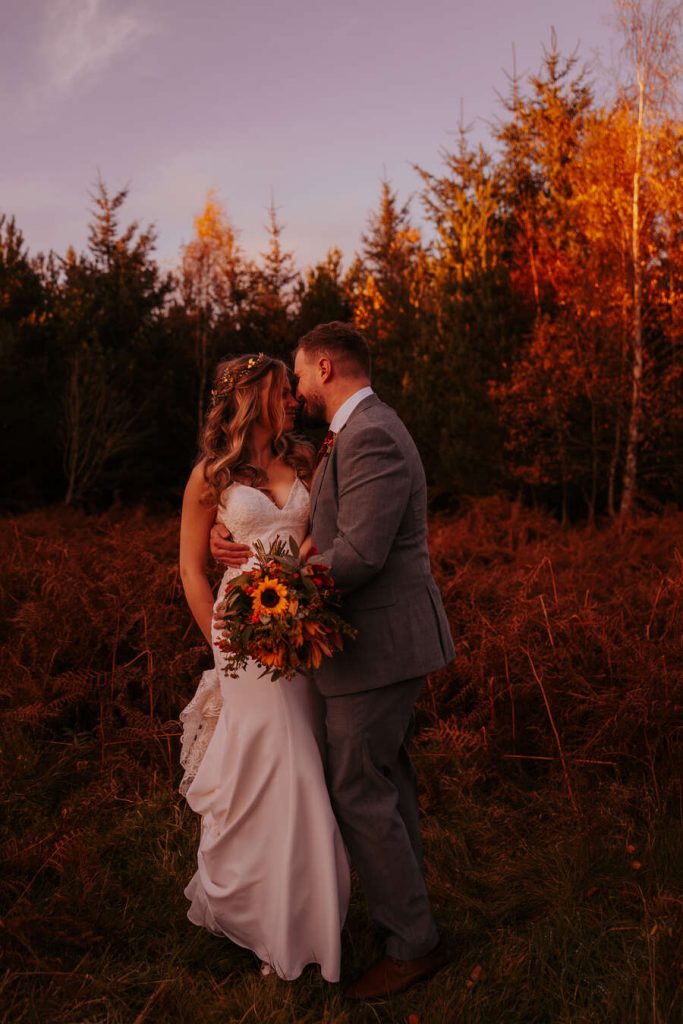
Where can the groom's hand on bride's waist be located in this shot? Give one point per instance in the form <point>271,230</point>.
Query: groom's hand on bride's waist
<point>308,550</point>
<point>224,550</point>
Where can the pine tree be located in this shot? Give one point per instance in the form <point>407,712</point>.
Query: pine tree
<point>539,141</point>
<point>108,308</point>
<point>467,323</point>
<point>124,280</point>
<point>543,403</point>
<point>27,373</point>
<point>322,295</point>
<point>389,293</point>
<point>270,317</point>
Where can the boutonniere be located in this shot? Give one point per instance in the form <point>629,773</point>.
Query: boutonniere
<point>327,446</point>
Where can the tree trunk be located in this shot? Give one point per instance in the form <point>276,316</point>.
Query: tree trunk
<point>72,420</point>
<point>565,490</point>
<point>594,463</point>
<point>202,369</point>
<point>98,423</point>
<point>612,478</point>
<point>633,431</point>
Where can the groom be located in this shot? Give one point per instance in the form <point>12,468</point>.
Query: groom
<point>369,524</point>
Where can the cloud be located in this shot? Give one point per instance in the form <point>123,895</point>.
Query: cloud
<point>81,37</point>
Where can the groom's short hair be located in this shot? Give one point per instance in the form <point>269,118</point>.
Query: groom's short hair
<point>343,343</point>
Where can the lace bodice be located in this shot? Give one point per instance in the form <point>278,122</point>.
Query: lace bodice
<point>250,514</point>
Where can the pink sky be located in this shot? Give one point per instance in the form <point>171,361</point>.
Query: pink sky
<point>309,99</point>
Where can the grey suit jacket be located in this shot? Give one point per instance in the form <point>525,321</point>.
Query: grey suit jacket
<point>369,523</point>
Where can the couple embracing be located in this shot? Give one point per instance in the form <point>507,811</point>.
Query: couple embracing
<point>292,778</point>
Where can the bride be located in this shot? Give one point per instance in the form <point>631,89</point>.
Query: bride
<point>272,873</point>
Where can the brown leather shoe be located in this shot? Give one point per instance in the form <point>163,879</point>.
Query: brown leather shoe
<point>389,976</point>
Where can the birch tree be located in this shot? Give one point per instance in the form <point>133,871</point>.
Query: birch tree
<point>212,285</point>
<point>651,32</point>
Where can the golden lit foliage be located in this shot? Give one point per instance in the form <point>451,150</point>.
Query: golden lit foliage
<point>211,262</point>
<point>212,285</point>
<point>388,290</point>
<point>597,383</point>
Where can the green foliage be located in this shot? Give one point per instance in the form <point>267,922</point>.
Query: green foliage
<point>270,313</point>
<point>213,288</point>
<point>466,338</point>
<point>390,284</point>
<point>322,295</point>
<point>31,372</point>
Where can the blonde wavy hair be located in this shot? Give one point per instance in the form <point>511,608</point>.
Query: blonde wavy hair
<point>223,445</point>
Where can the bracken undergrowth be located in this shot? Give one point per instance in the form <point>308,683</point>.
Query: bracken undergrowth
<point>548,755</point>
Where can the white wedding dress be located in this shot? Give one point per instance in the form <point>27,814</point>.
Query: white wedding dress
<point>272,871</point>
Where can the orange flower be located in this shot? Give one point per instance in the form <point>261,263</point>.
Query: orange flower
<point>316,654</point>
<point>271,659</point>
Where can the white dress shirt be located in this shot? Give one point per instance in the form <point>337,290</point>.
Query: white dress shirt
<point>346,408</point>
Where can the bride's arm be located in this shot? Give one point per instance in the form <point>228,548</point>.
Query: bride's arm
<point>195,525</point>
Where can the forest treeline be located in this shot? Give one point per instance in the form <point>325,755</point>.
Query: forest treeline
<point>531,336</point>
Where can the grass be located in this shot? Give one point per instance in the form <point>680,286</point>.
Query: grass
<point>548,755</point>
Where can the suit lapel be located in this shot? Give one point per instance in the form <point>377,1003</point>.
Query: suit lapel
<point>317,482</point>
<point>319,474</point>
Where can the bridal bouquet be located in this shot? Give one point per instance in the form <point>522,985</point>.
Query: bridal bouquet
<point>281,613</point>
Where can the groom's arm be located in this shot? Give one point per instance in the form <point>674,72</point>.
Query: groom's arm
<point>374,489</point>
<point>223,549</point>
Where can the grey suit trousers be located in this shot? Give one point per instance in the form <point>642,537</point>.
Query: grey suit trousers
<point>374,795</point>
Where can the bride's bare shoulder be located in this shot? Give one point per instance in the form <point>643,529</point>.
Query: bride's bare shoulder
<point>197,489</point>
<point>197,478</point>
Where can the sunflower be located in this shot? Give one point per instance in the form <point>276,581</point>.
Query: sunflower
<point>270,598</point>
<point>271,659</point>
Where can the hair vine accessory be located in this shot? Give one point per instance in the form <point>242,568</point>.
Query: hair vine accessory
<point>231,378</point>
